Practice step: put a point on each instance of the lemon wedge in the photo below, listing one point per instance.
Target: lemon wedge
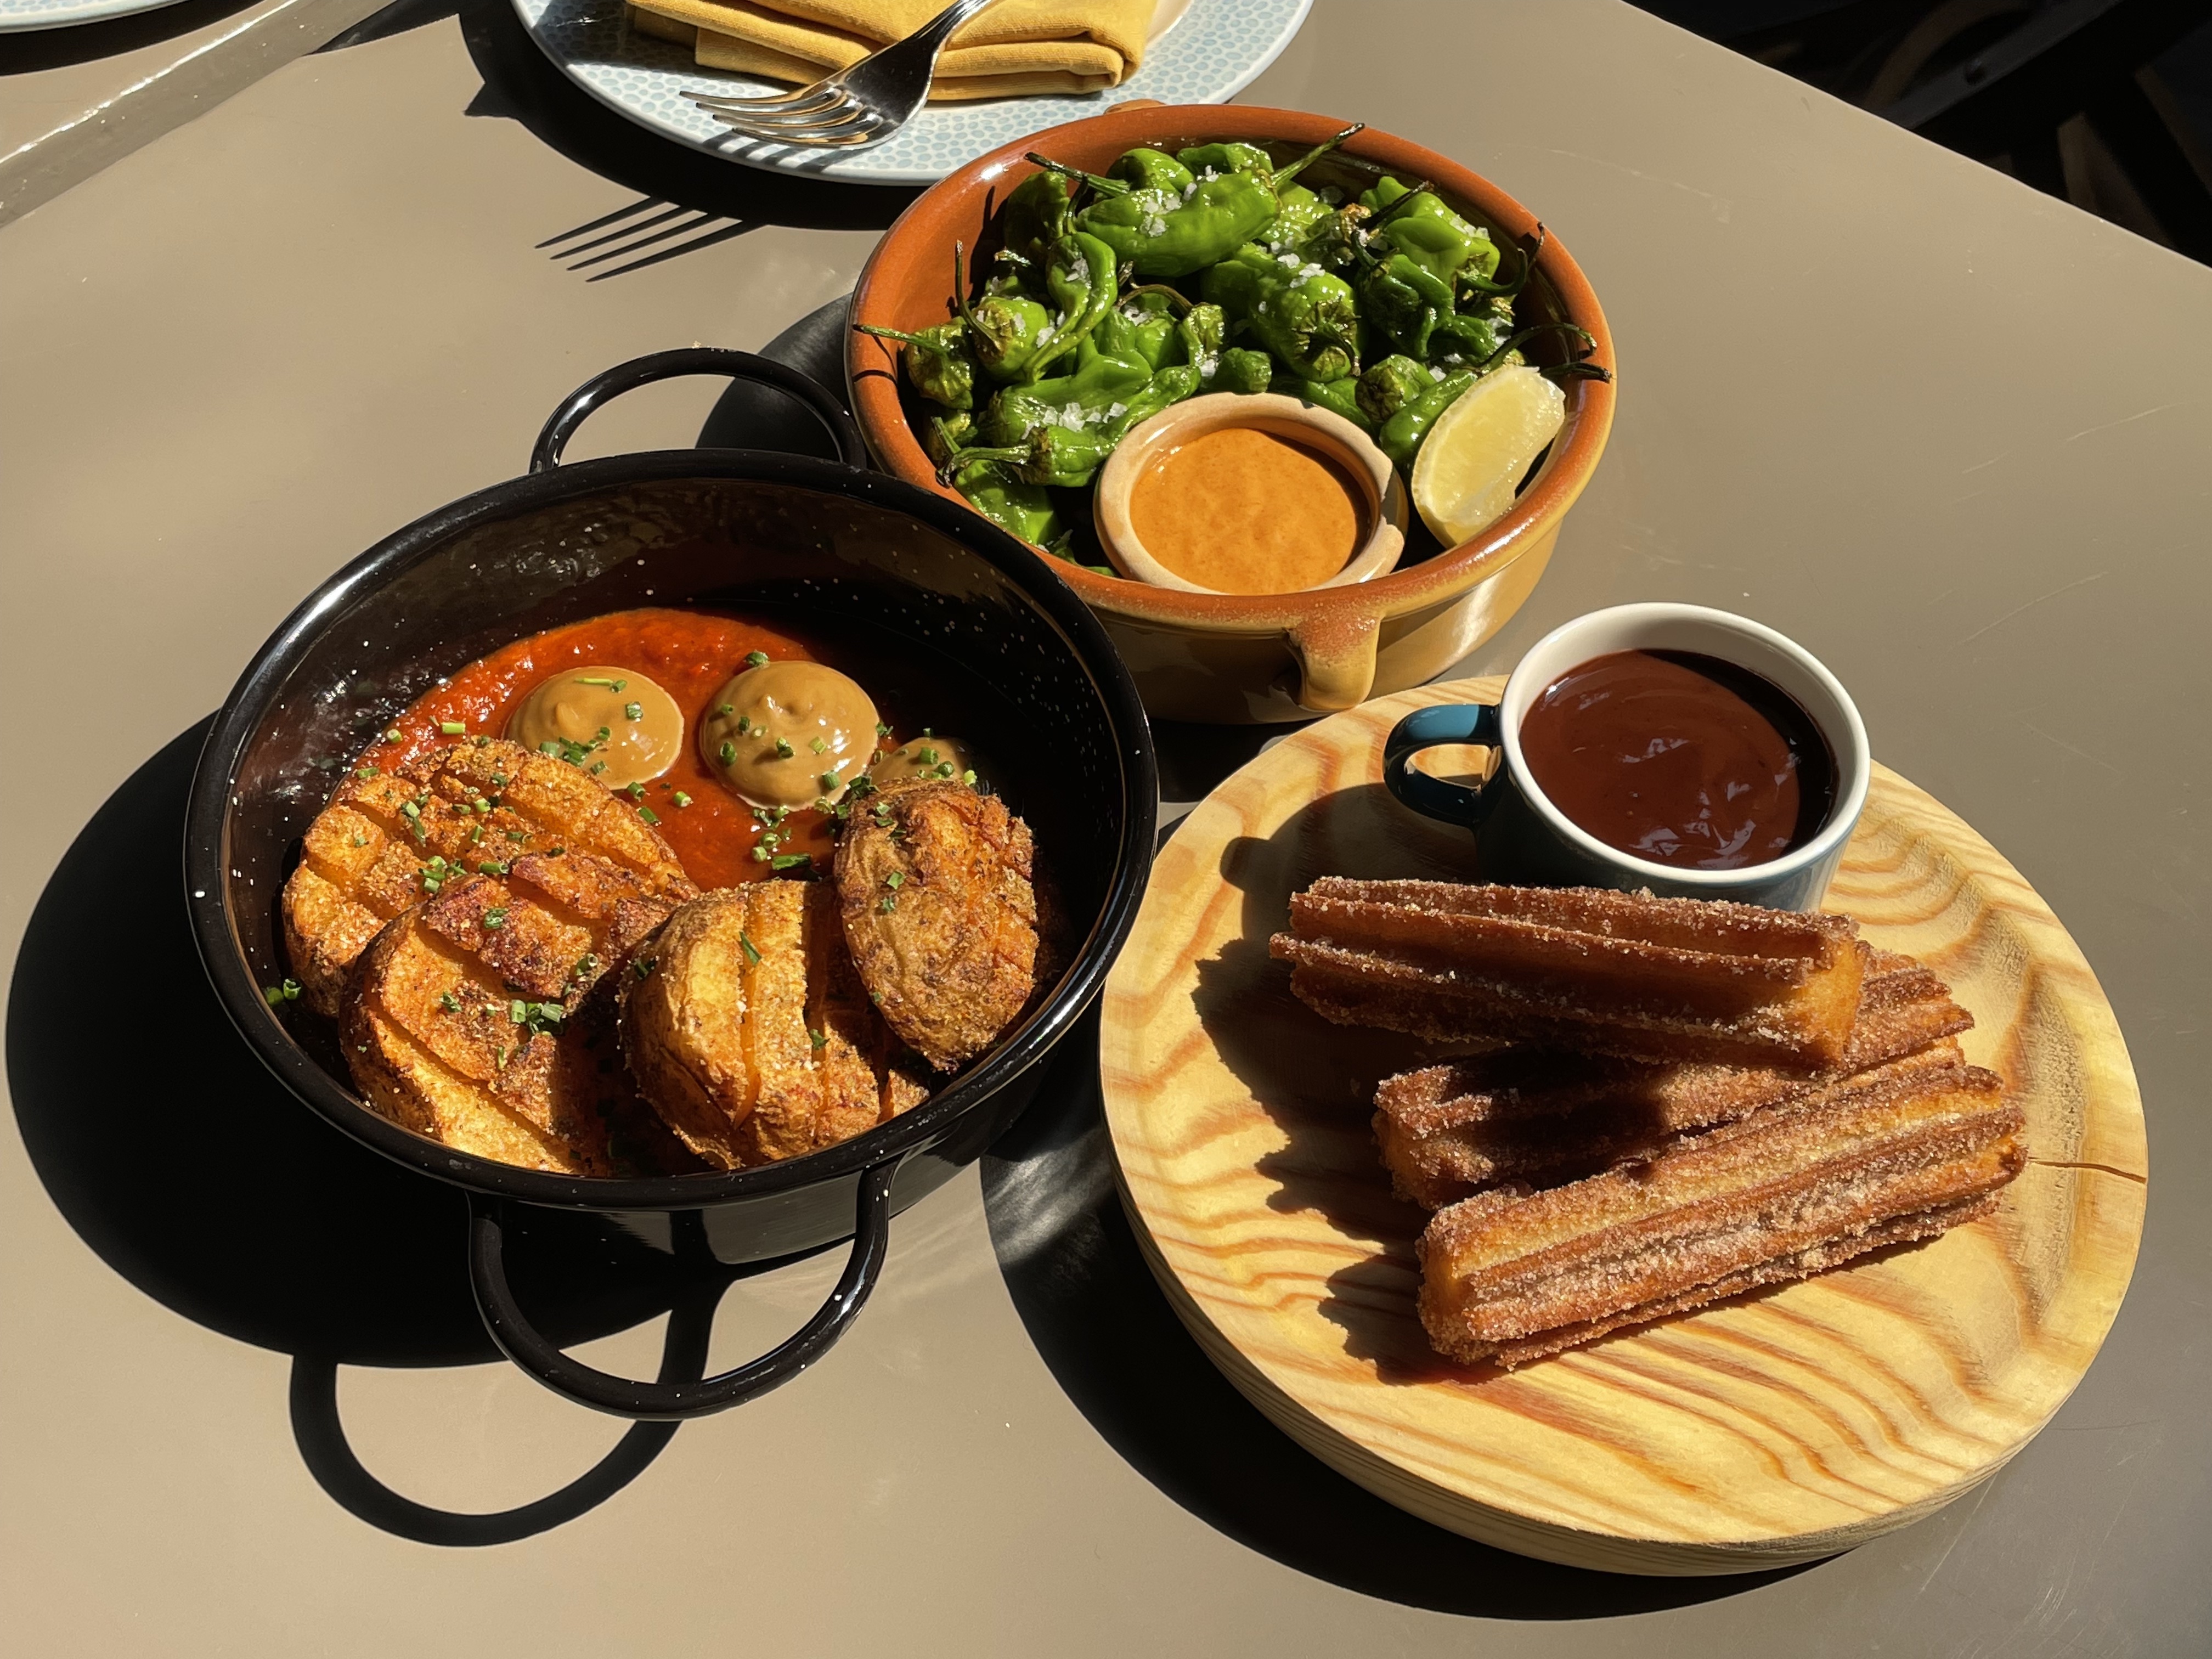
(1479, 449)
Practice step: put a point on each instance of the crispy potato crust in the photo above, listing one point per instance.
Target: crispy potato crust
(934, 885)
(750, 1034)
(363, 858)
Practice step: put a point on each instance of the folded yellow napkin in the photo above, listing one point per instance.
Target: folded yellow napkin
(1015, 49)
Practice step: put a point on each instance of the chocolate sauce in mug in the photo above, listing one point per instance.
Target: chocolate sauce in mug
(1681, 758)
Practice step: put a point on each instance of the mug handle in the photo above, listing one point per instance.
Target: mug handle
(1426, 728)
(667, 1402)
(609, 384)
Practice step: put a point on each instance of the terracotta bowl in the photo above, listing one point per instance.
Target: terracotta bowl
(1256, 657)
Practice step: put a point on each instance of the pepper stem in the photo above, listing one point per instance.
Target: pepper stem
(1105, 186)
(960, 286)
(1287, 174)
(1171, 296)
(888, 333)
(1513, 342)
(1507, 290)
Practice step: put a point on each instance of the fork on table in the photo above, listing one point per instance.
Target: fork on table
(856, 107)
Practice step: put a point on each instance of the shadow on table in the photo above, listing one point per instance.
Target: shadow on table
(190, 1170)
(1105, 1330)
(34, 50)
(522, 84)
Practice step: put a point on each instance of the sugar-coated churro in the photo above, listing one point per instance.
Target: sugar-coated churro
(1511, 1276)
(1618, 974)
(1543, 1117)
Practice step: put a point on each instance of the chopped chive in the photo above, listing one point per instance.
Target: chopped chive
(480, 805)
(756, 659)
(761, 853)
(882, 731)
(727, 710)
(828, 781)
(819, 747)
(361, 841)
(927, 732)
(820, 1040)
(643, 967)
(277, 995)
(727, 754)
(554, 852)
(888, 905)
(499, 780)
(518, 834)
(927, 756)
(491, 867)
(475, 835)
(392, 736)
(480, 741)
(648, 815)
(793, 860)
(635, 791)
(944, 770)
(633, 711)
(895, 880)
(597, 679)
(783, 749)
(452, 729)
(408, 809)
(450, 1003)
(968, 777)
(752, 951)
(596, 767)
(364, 771)
(682, 799)
(495, 918)
(744, 725)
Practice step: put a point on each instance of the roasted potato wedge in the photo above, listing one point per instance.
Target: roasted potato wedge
(461, 1018)
(364, 857)
(749, 1032)
(934, 889)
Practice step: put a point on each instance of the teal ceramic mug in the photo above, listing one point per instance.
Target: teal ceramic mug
(1522, 837)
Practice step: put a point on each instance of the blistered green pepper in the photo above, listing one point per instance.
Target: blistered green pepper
(1019, 507)
(938, 362)
(1300, 213)
(1472, 336)
(1058, 457)
(1306, 317)
(1090, 393)
(1399, 437)
(1143, 325)
(1242, 369)
(1390, 384)
(1005, 331)
(1081, 281)
(1152, 169)
(1036, 216)
(1422, 229)
(1385, 190)
(1169, 385)
(1200, 335)
(1225, 158)
(1339, 396)
(946, 435)
(1158, 233)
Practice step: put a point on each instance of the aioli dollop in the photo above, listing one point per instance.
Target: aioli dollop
(615, 723)
(788, 734)
(940, 760)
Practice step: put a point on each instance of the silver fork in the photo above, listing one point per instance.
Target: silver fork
(856, 107)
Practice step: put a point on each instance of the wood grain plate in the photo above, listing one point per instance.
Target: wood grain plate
(1778, 1428)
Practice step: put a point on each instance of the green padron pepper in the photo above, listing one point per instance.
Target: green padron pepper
(1093, 393)
(1005, 331)
(1399, 437)
(1242, 369)
(1300, 214)
(1036, 216)
(1143, 325)
(1389, 385)
(1421, 227)
(1152, 169)
(1081, 280)
(1339, 397)
(946, 435)
(1471, 335)
(1058, 457)
(1200, 335)
(938, 362)
(1385, 190)
(1405, 299)
(1307, 318)
(1335, 243)
(1225, 158)
(1015, 505)
(1169, 385)
(1158, 232)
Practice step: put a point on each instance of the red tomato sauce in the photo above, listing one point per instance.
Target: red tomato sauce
(690, 654)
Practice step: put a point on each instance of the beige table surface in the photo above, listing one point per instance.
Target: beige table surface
(1952, 434)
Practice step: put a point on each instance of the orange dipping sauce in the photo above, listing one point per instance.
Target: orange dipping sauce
(1241, 511)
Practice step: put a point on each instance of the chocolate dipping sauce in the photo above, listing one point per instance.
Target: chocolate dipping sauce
(1681, 758)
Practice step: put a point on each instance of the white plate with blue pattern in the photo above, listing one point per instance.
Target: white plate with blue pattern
(18, 14)
(1210, 51)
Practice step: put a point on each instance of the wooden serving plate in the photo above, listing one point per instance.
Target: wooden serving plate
(1778, 1428)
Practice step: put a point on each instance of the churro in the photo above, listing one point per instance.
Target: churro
(1545, 1117)
(1619, 974)
(1511, 1276)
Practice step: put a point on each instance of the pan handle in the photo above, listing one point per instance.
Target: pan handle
(676, 1402)
(610, 384)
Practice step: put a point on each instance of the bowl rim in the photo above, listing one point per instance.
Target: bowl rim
(872, 381)
(210, 806)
